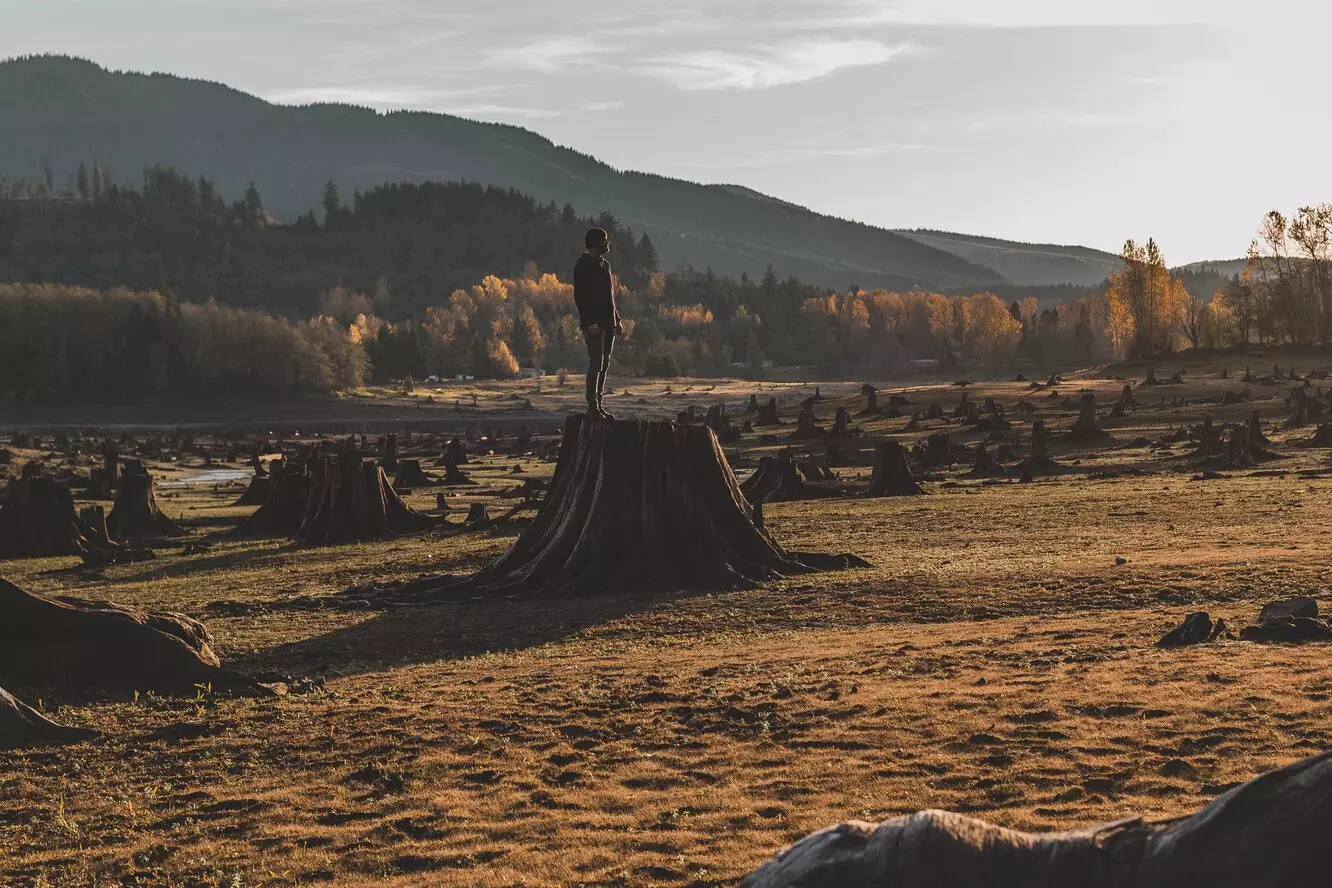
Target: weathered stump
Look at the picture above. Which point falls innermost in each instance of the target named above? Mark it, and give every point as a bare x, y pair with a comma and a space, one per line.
892, 474
1086, 428
768, 414
352, 500
1151, 377
937, 451
871, 403
1305, 410
388, 452
410, 476
1323, 436
1266, 833
806, 427
934, 411
776, 479
1209, 439
1038, 462
841, 424
257, 493
633, 506
964, 407
289, 488
454, 476
38, 520
135, 515
985, 466
914, 424
455, 452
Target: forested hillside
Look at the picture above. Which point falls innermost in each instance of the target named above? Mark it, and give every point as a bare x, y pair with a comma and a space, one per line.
59, 112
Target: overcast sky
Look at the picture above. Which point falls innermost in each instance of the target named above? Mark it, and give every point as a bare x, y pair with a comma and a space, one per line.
1065, 121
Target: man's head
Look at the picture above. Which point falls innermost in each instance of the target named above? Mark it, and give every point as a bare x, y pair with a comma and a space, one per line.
597, 242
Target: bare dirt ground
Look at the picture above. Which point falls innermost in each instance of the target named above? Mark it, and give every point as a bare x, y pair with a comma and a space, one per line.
998, 659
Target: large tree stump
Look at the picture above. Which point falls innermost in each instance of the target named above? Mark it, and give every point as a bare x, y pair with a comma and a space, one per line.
633, 506
1305, 410
937, 451
388, 452
1267, 833
104, 480
38, 520
871, 401
892, 475
410, 476
135, 515
257, 493
1039, 461
985, 466
70, 643
1087, 429
841, 424
1323, 436
776, 479
289, 489
455, 452
351, 501
934, 411
768, 414
806, 427
1209, 439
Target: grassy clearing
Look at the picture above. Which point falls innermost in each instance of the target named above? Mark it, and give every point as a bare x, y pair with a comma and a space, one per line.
996, 660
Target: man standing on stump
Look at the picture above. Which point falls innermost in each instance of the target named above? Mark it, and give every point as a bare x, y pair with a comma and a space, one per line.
594, 294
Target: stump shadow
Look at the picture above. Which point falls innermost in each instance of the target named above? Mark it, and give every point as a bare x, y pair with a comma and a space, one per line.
448, 631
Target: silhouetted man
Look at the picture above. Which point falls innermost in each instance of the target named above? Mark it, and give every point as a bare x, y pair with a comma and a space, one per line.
594, 294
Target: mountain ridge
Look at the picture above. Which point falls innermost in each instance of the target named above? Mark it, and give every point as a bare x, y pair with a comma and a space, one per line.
69, 111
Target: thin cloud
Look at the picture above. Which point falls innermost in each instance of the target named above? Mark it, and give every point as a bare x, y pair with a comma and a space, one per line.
769, 66
547, 55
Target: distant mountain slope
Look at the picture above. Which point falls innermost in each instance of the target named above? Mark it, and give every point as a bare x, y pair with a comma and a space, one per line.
1224, 267
1025, 263
68, 110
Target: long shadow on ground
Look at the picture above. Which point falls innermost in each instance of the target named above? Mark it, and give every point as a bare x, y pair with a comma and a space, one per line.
408, 636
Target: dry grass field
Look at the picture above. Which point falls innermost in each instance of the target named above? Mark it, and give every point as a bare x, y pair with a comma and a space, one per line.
998, 659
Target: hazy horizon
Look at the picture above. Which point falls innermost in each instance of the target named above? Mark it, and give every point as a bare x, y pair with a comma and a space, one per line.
1180, 121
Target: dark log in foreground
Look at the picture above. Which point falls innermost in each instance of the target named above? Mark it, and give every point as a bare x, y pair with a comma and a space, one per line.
37, 520
135, 515
21, 726
351, 501
776, 479
633, 506
69, 643
289, 487
1267, 833
892, 475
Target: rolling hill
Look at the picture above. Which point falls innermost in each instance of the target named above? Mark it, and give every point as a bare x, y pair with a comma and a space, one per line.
1035, 264
65, 111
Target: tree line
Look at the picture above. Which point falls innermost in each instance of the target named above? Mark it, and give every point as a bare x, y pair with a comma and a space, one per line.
167, 287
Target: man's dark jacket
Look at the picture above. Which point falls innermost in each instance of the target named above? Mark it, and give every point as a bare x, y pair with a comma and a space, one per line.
593, 293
